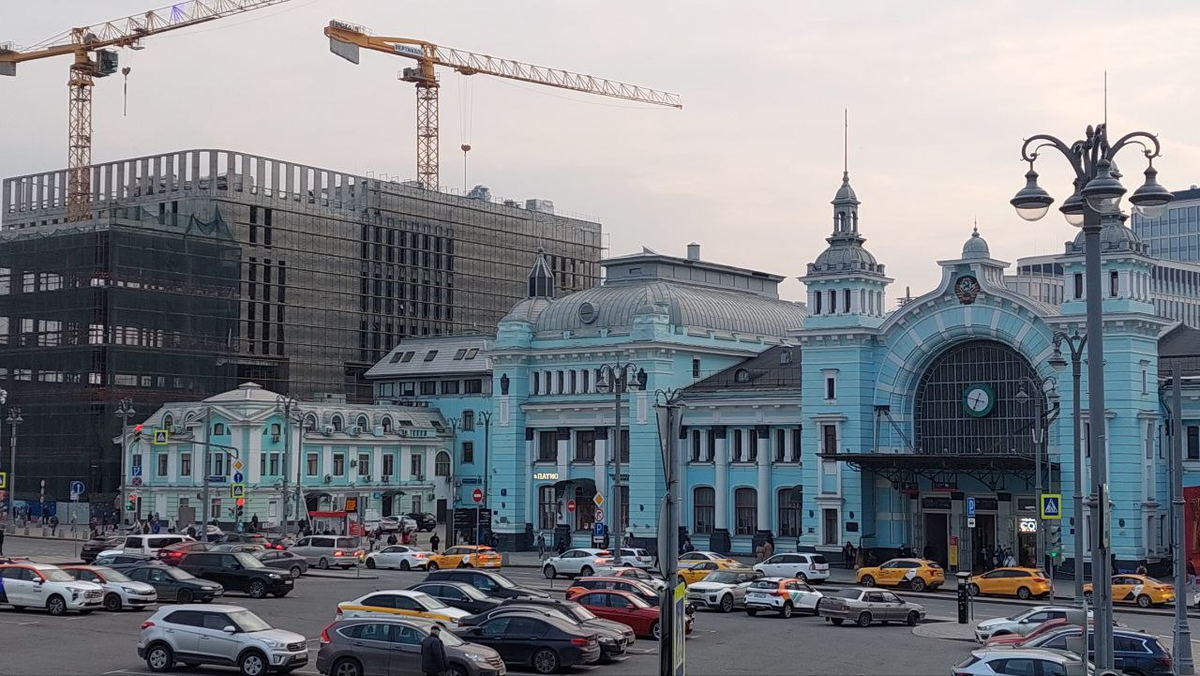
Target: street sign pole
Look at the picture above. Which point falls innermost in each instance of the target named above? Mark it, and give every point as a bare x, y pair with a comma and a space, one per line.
204, 508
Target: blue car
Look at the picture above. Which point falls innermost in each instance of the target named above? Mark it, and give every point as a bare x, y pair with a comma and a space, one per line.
1136, 654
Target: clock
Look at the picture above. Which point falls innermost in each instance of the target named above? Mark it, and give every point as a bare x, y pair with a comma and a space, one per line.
978, 400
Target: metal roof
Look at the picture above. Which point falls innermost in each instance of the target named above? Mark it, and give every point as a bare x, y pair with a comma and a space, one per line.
438, 355
777, 368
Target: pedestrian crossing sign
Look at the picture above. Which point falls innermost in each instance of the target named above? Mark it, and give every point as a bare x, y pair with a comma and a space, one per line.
1051, 506
3, 481
237, 490
161, 437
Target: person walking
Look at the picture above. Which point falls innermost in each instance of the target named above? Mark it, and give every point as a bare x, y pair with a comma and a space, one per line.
541, 546
53, 525
2, 541
848, 554
433, 653
254, 523
391, 539
434, 541
768, 548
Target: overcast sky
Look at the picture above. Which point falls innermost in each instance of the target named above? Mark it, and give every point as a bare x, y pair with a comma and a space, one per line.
940, 96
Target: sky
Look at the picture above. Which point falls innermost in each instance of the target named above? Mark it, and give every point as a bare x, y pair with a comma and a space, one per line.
939, 94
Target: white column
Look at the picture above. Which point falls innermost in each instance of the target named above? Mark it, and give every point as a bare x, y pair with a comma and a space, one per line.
377, 464
253, 457
564, 456
764, 481
326, 464
404, 473
721, 460
600, 467
530, 499
788, 445
352, 469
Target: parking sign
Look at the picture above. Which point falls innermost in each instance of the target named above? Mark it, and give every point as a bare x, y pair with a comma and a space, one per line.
970, 506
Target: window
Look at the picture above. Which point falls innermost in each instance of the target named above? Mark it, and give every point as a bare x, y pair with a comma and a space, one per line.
846, 300
473, 386
584, 517
753, 444
389, 465
830, 388
274, 467
468, 420
817, 304
441, 464
737, 446
462, 352
1193, 442
548, 446
829, 528
1078, 285
1113, 283
695, 368
833, 301
364, 464
574, 381
547, 509
450, 387
704, 509
339, 464
796, 433
745, 508
625, 449
468, 452
218, 464
780, 448
136, 460
219, 430
185, 464
161, 470
431, 355
386, 424
829, 438
362, 423
789, 512
696, 447
428, 387
337, 423
312, 464
416, 465
585, 446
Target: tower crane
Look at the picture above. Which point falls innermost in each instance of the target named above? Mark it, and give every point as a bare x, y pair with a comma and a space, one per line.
347, 39
82, 43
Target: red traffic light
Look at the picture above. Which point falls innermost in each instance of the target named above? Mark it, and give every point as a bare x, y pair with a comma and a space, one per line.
137, 428
241, 502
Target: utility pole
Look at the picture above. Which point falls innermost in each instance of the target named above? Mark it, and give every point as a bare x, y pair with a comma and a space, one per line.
124, 412
289, 404
670, 607
206, 506
618, 378
14, 419
1183, 633
487, 458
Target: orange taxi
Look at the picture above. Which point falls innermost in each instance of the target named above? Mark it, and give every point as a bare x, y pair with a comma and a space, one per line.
916, 574
465, 556
1023, 583
694, 571
1140, 589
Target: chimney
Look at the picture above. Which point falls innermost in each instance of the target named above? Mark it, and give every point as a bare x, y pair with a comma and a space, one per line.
693, 252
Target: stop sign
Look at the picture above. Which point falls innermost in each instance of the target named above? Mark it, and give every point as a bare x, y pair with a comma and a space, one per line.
477, 495
570, 505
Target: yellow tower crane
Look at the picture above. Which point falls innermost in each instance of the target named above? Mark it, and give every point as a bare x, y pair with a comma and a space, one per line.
346, 39
82, 42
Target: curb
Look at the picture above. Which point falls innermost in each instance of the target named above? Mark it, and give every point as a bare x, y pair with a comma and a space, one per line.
314, 572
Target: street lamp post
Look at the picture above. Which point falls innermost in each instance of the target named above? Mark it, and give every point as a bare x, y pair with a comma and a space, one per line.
290, 411
1183, 633
454, 423
1095, 200
669, 410
487, 435
14, 418
1075, 345
124, 412
1039, 442
617, 378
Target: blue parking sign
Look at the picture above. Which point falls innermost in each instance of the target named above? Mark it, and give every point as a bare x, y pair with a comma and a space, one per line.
970, 507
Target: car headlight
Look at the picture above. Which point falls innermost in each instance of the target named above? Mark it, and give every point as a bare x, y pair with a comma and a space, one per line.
482, 659
273, 576
129, 590
74, 594
275, 645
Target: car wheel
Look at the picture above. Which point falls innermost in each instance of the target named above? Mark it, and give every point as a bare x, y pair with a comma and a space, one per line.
802, 577
159, 658
404, 565
433, 565
864, 619
549, 572
912, 619
371, 563
751, 612
917, 584
837, 621
545, 661
586, 571
323, 563
1024, 593
1144, 601
867, 581
973, 589
787, 610
253, 663
296, 572
1087, 596
347, 666
456, 670
258, 589
55, 605
655, 631
112, 603
727, 603
184, 596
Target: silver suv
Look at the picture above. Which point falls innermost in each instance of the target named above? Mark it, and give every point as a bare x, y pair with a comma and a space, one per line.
228, 635
325, 551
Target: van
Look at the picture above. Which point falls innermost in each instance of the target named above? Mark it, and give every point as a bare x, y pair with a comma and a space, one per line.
148, 545
326, 551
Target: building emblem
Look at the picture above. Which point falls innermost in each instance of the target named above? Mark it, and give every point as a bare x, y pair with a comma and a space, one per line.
966, 289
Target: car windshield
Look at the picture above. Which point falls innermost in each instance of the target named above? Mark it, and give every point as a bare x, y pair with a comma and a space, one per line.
722, 577
764, 584
848, 594
179, 574
428, 601
637, 602
56, 575
111, 575
818, 559
248, 621
448, 638
248, 561
582, 614
502, 581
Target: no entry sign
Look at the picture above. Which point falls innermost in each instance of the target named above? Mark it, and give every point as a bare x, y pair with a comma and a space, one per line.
570, 505
477, 495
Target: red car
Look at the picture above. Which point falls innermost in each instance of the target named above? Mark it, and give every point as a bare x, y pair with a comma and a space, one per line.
1014, 640
173, 554
625, 608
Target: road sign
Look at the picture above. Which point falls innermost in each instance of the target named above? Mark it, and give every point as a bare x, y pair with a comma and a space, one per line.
74, 497
598, 529
477, 495
571, 506
136, 470
161, 438
3, 480
1051, 506
237, 490
77, 487
237, 465
237, 477
136, 481
970, 522
598, 499
970, 507
217, 479
599, 515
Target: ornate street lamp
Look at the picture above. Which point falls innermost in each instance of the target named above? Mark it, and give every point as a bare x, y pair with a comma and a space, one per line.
1075, 345
617, 378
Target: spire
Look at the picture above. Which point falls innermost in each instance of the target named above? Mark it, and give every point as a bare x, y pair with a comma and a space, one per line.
541, 280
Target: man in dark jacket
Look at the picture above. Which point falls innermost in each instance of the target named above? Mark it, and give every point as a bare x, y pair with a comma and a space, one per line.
433, 653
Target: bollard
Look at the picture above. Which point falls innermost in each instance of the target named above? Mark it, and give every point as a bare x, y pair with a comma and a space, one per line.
964, 599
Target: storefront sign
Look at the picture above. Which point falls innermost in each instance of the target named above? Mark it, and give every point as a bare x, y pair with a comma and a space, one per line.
545, 476
1027, 525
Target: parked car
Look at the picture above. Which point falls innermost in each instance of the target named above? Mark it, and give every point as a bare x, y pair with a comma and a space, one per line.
402, 557
379, 647
279, 541
458, 595
1140, 589
148, 545
396, 524
915, 574
638, 558
722, 589
640, 575
466, 556
326, 551
627, 609
1135, 653
486, 581
402, 603
242, 547
424, 520
614, 637
119, 590
238, 571
279, 559
1021, 623
92, 548
546, 644
694, 571
863, 606
802, 566
577, 562
1023, 583
173, 554
120, 561
39, 585
1018, 663
218, 635
687, 558
584, 584
783, 595
244, 539
1015, 640
173, 584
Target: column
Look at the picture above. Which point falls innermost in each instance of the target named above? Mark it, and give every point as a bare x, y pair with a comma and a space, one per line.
530, 499
764, 478
721, 487
377, 465
252, 459
601, 462
326, 464
789, 445
563, 454
404, 472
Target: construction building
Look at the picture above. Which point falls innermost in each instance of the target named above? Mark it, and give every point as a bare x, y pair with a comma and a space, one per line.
202, 269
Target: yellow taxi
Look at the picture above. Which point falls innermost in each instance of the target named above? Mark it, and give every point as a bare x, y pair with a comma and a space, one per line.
916, 574
1140, 589
693, 570
400, 603
465, 556
1024, 583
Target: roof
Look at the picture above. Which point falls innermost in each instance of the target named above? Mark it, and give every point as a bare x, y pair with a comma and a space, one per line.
244, 392
976, 246
438, 355
1180, 345
777, 368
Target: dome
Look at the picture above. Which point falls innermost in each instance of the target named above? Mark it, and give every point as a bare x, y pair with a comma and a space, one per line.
845, 256
1114, 236
845, 193
244, 392
976, 246
527, 310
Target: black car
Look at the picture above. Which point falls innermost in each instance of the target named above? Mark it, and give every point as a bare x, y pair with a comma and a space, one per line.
425, 520
122, 562
492, 584
244, 539
173, 584
238, 571
614, 637
92, 548
278, 559
458, 595
545, 643
1135, 652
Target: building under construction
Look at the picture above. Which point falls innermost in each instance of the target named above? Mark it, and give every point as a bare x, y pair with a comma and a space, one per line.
200, 269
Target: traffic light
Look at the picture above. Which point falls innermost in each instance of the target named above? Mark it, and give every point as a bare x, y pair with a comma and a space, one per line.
241, 507
137, 432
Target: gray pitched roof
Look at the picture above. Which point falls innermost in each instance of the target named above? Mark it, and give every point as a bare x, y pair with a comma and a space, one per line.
777, 368
436, 355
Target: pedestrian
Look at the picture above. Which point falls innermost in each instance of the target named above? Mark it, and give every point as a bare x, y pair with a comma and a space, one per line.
927, 552
391, 539
1, 540
1191, 573
848, 554
254, 523
541, 546
434, 541
53, 525
433, 653
191, 531
768, 548
758, 552
1141, 569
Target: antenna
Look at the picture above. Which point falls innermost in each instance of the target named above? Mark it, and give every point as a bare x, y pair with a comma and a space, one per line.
1106, 99
845, 140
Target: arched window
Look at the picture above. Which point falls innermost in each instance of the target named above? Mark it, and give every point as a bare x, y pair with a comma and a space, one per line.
745, 511
704, 509
168, 420
441, 464
337, 422
387, 424
789, 512
310, 422
218, 430
362, 423
276, 429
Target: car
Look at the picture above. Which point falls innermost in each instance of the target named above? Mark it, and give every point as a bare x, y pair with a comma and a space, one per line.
280, 559
382, 646
394, 524
486, 581
546, 644
1140, 589
783, 595
279, 541
227, 635
173, 554
243, 539
615, 637
327, 551
1021, 623
635, 557
238, 571
627, 609
242, 547
424, 520
401, 557
92, 548
636, 587
173, 584
39, 585
458, 595
864, 605
641, 575
121, 561
722, 589
694, 571
692, 557
915, 574
1135, 653
1014, 640
1019, 663
465, 556
577, 562
400, 603
119, 590
149, 544
1023, 583
802, 566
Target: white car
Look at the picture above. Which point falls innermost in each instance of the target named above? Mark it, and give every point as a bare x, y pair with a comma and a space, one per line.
722, 589
398, 556
38, 585
782, 595
226, 635
810, 567
400, 603
582, 562
397, 524
638, 558
1022, 623
1020, 663
119, 591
